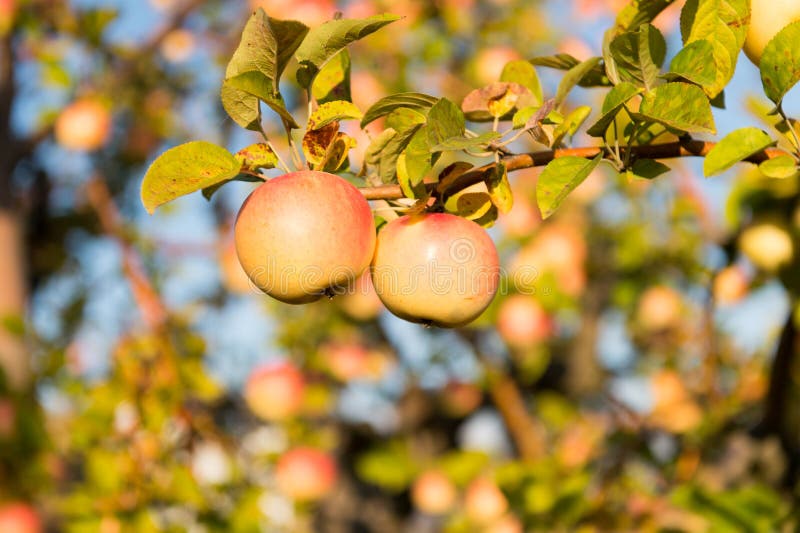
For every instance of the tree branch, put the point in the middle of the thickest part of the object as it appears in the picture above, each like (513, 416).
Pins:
(538, 159)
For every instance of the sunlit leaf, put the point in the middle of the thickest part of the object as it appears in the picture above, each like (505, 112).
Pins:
(780, 62)
(559, 178)
(734, 147)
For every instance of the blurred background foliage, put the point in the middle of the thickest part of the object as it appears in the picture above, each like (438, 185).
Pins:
(648, 383)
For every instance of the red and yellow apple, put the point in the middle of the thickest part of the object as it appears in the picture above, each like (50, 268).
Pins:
(19, 517)
(275, 391)
(304, 234)
(459, 398)
(507, 524)
(522, 322)
(730, 285)
(346, 361)
(305, 474)
(436, 269)
(84, 125)
(433, 493)
(767, 18)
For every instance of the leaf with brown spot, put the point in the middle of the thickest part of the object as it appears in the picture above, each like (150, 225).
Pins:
(316, 142)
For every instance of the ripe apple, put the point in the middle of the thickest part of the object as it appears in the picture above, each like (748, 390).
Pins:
(361, 302)
(435, 268)
(767, 18)
(767, 245)
(507, 524)
(484, 502)
(178, 45)
(7, 9)
(310, 12)
(19, 517)
(233, 276)
(459, 399)
(557, 249)
(304, 234)
(433, 493)
(305, 474)
(730, 285)
(660, 308)
(522, 322)
(84, 125)
(346, 361)
(275, 391)
(674, 409)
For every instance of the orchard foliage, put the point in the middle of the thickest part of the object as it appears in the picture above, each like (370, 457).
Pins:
(635, 370)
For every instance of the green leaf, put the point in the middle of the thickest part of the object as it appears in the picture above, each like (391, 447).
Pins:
(632, 16)
(185, 169)
(208, 192)
(680, 106)
(403, 118)
(257, 156)
(325, 41)
(418, 158)
(723, 23)
(387, 164)
(391, 467)
(266, 46)
(243, 91)
(386, 105)
(559, 178)
(639, 55)
(460, 142)
(571, 123)
(594, 78)
(445, 120)
(648, 169)
(734, 147)
(372, 155)
(573, 78)
(499, 188)
(615, 99)
(523, 73)
(695, 63)
(410, 190)
(335, 111)
(333, 81)
(781, 167)
(780, 62)
(469, 205)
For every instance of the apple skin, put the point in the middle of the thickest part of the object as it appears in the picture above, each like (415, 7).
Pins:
(305, 474)
(484, 502)
(433, 493)
(18, 517)
(84, 125)
(435, 268)
(303, 234)
(522, 322)
(767, 18)
(275, 391)
(767, 245)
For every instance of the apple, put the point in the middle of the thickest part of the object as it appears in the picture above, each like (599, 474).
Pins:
(84, 125)
(660, 308)
(557, 249)
(7, 10)
(459, 398)
(507, 524)
(178, 45)
(19, 517)
(305, 474)
(489, 62)
(275, 391)
(304, 234)
(767, 18)
(210, 464)
(346, 361)
(361, 302)
(234, 278)
(767, 245)
(522, 322)
(730, 285)
(484, 502)
(433, 493)
(435, 268)
(674, 409)
(310, 12)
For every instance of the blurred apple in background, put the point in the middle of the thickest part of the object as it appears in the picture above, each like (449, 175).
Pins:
(433, 493)
(730, 285)
(767, 245)
(18, 517)
(674, 409)
(309, 12)
(522, 322)
(361, 302)
(459, 398)
(489, 62)
(275, 391)
(305, 474)
(484, 502)
(7, 12)
(178, 46)
(346, 361)
(558, 249)
(211, 464)
(507, 524)
(660, 308)
(233, 276)
(84, 125)
(767, 18)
